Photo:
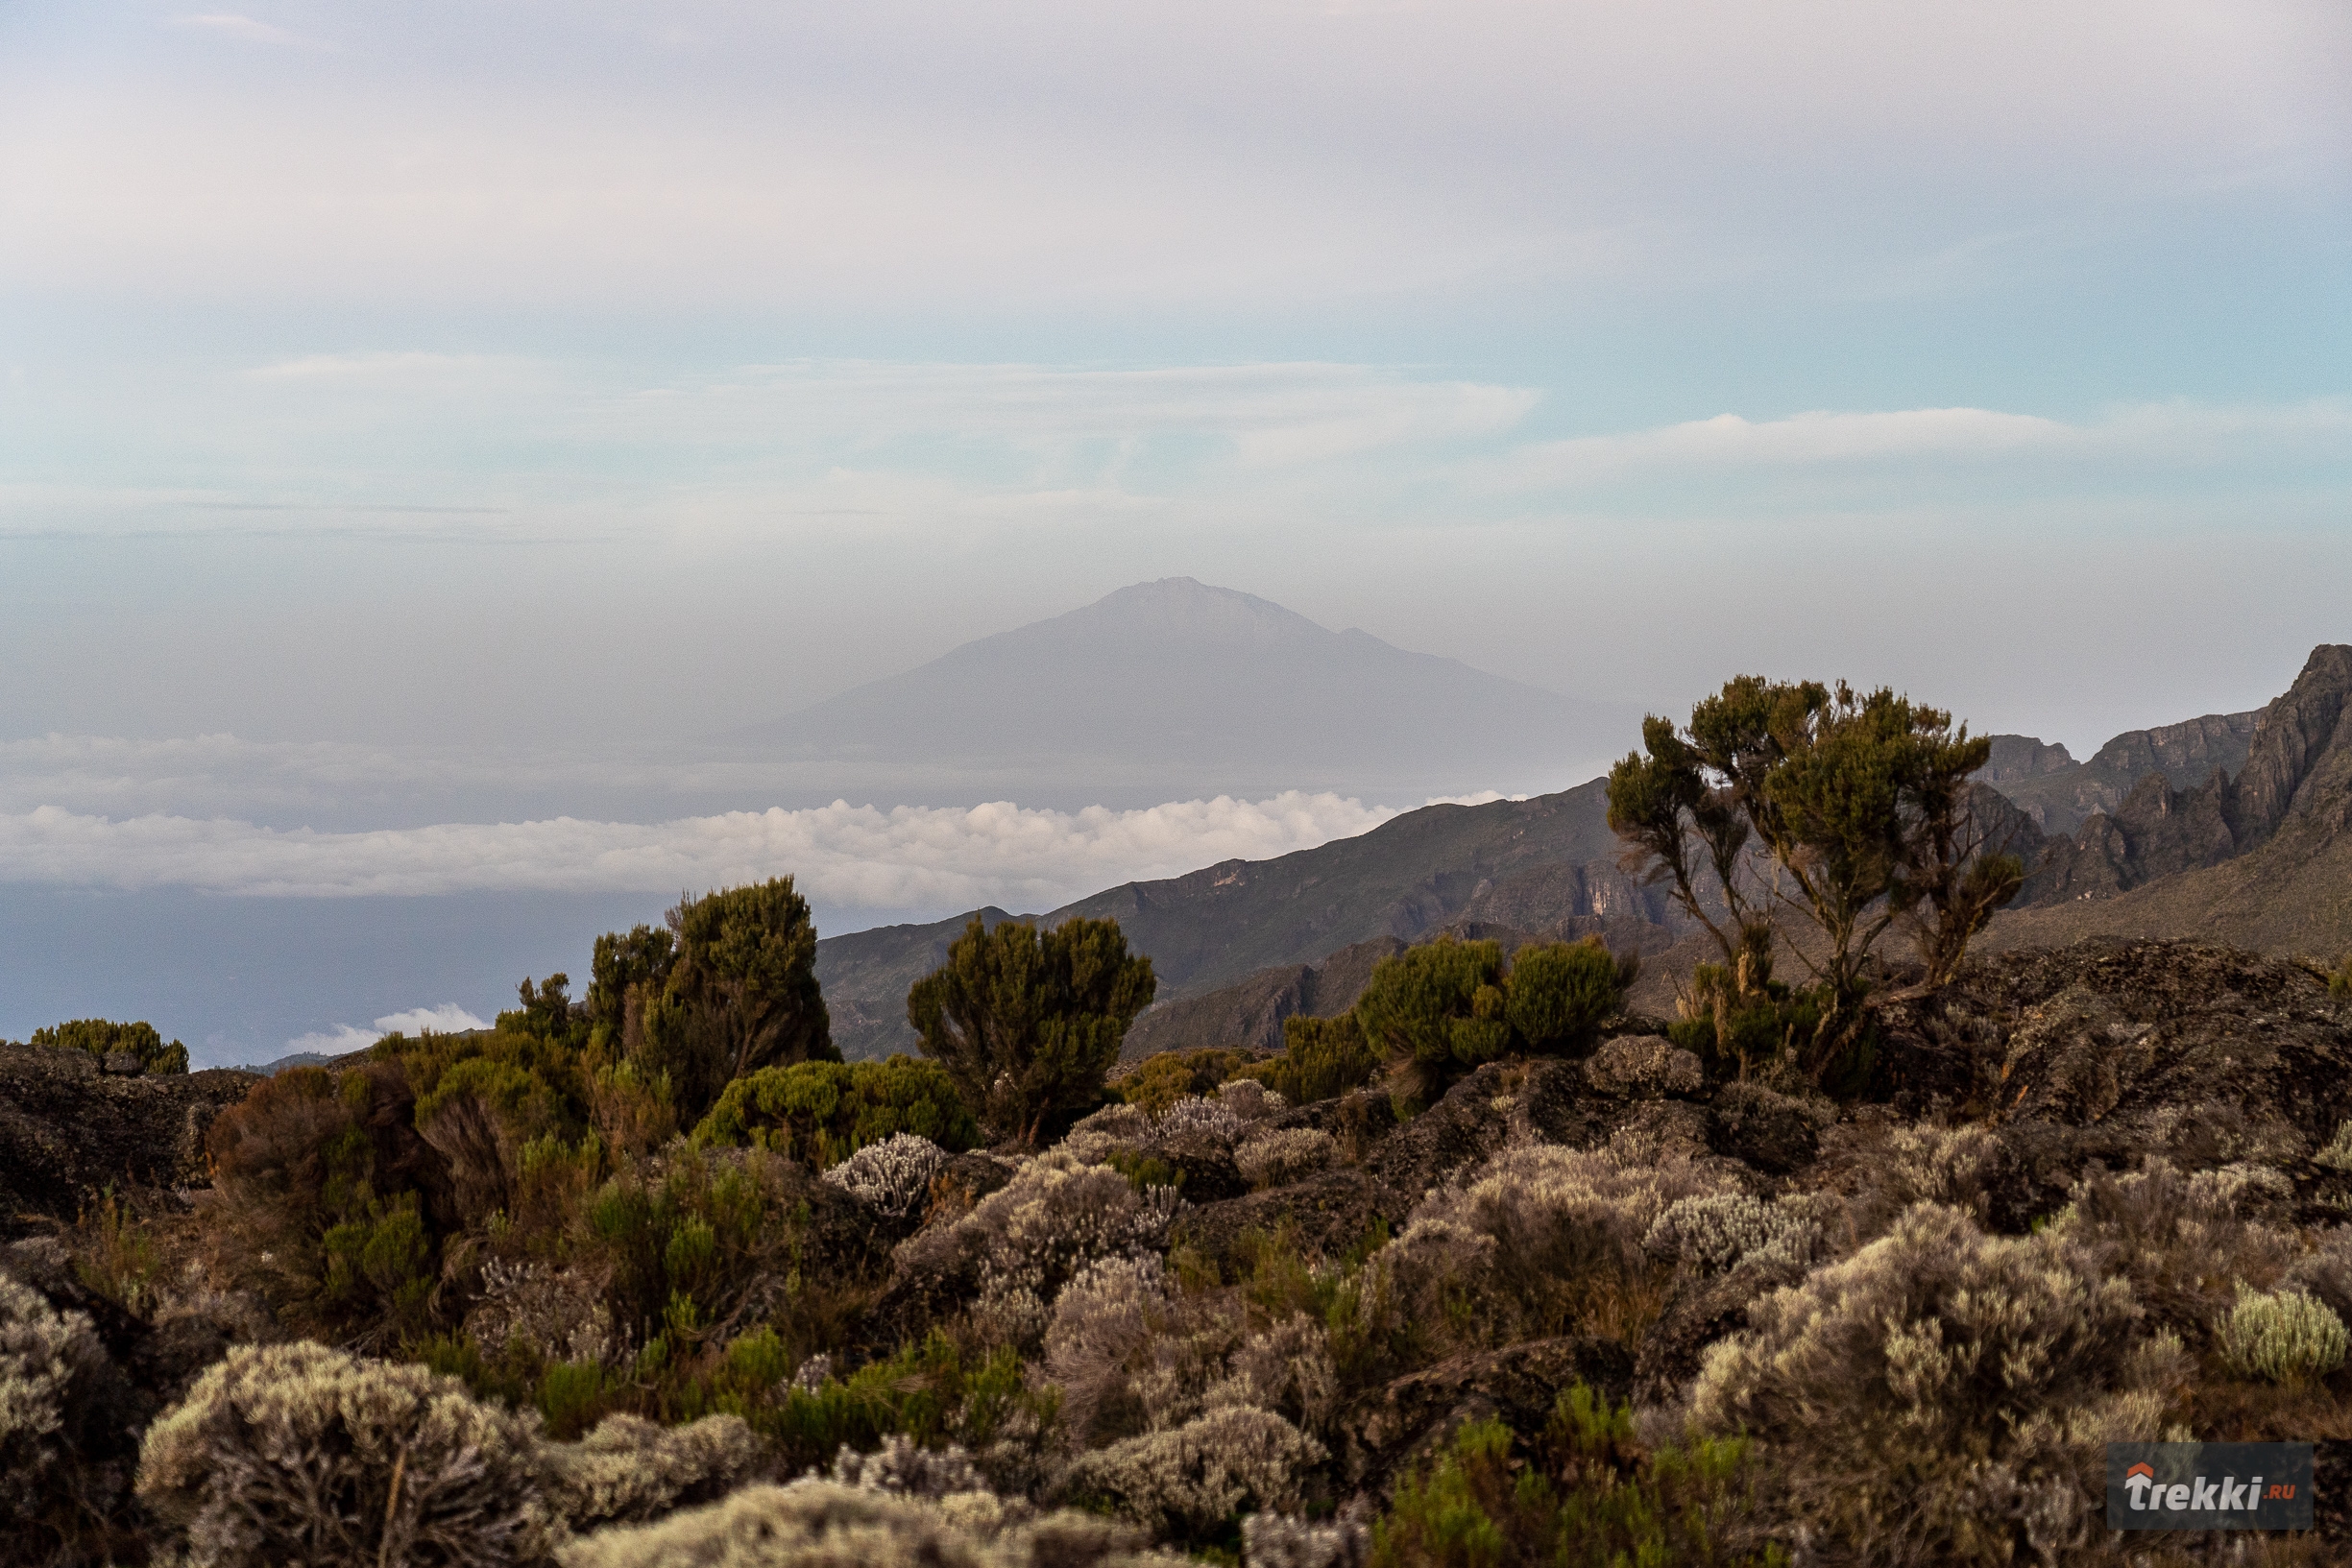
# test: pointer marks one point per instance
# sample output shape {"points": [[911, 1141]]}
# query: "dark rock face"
{"points": [[2297, 758], [1703, 1310], [68, 1129], [1323, 1215], [1776, 1133]]}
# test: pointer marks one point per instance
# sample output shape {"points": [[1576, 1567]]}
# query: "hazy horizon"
{"points": [[421, 432]]}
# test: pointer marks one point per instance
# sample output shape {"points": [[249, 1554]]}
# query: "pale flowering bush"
{"points": [[298, 1453], [1951, 1165], [905, 1469], [1716, 1232], [1189, 1480], [44, 1354], [893, 1176], [1276, 1159], [1022, 1243], [559, 1311], [2284, 1337], [1533, 1244], [1943, 1395], [1197, 1114], [823, 1524], [1283, 1540]]}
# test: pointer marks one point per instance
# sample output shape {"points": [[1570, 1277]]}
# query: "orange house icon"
{"points": [[2143, 1468]]}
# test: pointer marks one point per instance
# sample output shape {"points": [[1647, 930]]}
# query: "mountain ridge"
{"points": [[1203, 690]]}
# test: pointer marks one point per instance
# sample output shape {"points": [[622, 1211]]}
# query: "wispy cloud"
{"points": [[2169, 432], [447, 1019], [228, 25], [854, 856]]}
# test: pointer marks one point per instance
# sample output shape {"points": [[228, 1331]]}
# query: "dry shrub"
{"points": [[1132, 1355], [2182, 1241], [629, 1470], [301, 1453], [46, 1359], [298, 1453], [479, 1150], [1250, 1100], [1943, 1395], [1022, 1243], [1276, 1158], [1542, 1241], [824, 1523], [1192, 1481], [2284, 1337]]}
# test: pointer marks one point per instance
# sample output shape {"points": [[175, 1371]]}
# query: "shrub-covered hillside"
{"points": [[1859, 1266]]}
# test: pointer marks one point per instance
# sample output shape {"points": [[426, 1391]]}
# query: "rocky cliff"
{"points": [[2297, 760]]}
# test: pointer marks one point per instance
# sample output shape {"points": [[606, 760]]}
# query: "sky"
{"points": [[419, 418]]}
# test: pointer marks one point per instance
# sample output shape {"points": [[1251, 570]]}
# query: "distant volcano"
{"points": [[1178, 687]]}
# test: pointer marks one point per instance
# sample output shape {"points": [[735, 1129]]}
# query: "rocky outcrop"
{"points": [[68, 1128], [2297, 760], [2060, 793]]}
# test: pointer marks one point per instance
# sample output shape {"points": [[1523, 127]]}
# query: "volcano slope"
{"points": [[2087, 1195]]}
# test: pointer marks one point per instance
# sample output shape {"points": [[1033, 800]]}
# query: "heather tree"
{"points": [[1027, 1021]]}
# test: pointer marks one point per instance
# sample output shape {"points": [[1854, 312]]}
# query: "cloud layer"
{"points": [[447, 1019], [842, 855]]}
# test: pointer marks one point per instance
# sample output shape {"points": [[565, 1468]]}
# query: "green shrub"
{"points": [[101, 1038], [1559, 993], [325, 1199], [932, 1393], [1582, 1492], [2285, 1337], [1447, 1005], [1029, 1022], [737, 994], [1322, 1058], [1439, 1006], [684, 1245], [2340, 984], [820, 1113], [1160, 1081]]}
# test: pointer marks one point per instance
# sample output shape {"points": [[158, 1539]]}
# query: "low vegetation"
{"points": [[1864, 1270]]}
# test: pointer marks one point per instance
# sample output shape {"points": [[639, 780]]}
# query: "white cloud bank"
{"points": [[852, 857], [447, 1019]]}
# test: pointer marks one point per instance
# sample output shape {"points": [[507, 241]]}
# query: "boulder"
{"points": [[1774, 1132], [1323, 1215], [1643, 1067], [69, 1128]]}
